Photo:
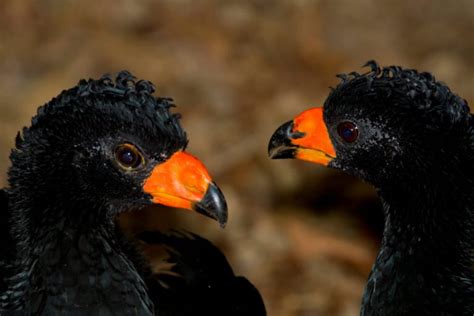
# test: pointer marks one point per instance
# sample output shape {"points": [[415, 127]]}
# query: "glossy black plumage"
{"points": [[64, 193], [418, 150], [6, 244], [202, 281], [415, 144]]}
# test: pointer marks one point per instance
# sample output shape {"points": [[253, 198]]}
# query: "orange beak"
{"points": [[184, 182], [305, 138]]}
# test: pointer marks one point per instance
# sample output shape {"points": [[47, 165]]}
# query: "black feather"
{"points": [[416, 146], [202, 281], [62, 253]]}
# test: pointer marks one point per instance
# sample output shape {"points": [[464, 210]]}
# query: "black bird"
{"points": [[413, 139], [96, 150]]}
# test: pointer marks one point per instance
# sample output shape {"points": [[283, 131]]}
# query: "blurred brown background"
{"points": [[305, 235]]}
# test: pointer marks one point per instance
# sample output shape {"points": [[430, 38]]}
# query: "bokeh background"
{"points": [[304, 235]]}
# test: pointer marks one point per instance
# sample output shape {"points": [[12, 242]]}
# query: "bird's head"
{"points": [[384, 126], [110, 145]]}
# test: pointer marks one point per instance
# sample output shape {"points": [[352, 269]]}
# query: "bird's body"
{"points": [[200, 271], [413, 139]]}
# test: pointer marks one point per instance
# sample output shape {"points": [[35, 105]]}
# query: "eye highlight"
{"points": [[128, 156], [348, 131]]}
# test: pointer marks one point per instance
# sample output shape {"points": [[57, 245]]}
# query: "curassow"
{"points": [[99, 149], [413, 139]]}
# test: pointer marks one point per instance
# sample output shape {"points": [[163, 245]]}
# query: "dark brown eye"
{"points": [[348, 131], [128, 156]]}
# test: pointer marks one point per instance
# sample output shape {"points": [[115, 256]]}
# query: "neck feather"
{"points": [[425, 264], [72, 252]]}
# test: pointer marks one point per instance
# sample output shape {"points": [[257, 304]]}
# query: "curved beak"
{"points": [[305, 138], [184, 182]]}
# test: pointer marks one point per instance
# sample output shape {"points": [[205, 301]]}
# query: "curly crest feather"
{"points": [[406, 88]]}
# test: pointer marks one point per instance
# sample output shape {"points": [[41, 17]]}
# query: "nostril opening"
{"points": [[297, 134]]}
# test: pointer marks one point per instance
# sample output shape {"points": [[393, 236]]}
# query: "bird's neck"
{"points": [[67, 260], [425, 261]]}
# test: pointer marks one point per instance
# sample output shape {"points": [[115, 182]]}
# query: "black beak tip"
{"points": [[213, 205], [280, 146]]}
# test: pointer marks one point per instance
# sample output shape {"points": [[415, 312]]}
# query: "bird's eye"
{"points": [[348, 131], [128, 156]]}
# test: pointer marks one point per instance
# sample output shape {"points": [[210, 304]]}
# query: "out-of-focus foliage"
{"points": [[306, 236]]}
